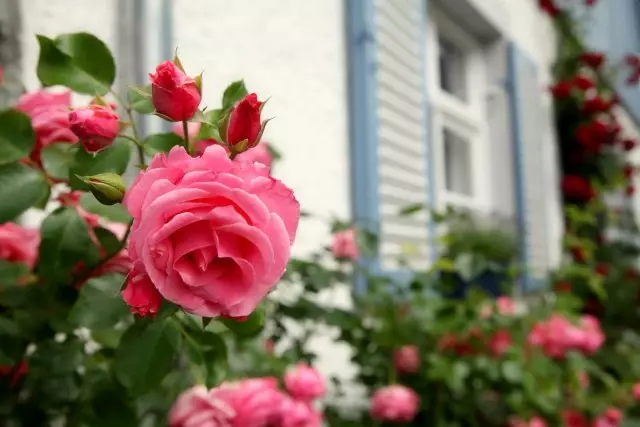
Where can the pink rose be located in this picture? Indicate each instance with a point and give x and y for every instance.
(344, 245)
(260, 153)
(505, 305)
(395, 403)
(18, 244)
(500, 342)
(96, 126)
(304, 382)
(244, 122)
(49, 114)
(213, 235)
(594, 337)
(255, 402)
(197, 407)
(406, 359)
(295, 413)
(140, 293)
(533, 422)
(635, 390)
(174, 94)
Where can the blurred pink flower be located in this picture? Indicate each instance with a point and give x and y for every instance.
(395, 403)
(406, 359)
(635, 390)
(344, 245)
(197, 407)
(304, 382)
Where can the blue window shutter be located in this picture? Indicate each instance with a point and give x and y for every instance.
(527, 120)
(390, 155)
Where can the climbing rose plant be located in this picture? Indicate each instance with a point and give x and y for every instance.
(123, 298)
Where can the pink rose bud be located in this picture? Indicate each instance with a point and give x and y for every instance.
(635, 390)
(406, 359)
(395, 403)
(344, 245)
(96, 126)
(198, 407)
(304, 382)
(296, 413)
(244, 121)
(212, 235)
(174, 94)
(505, 305)
(140, 293)
(18, 244)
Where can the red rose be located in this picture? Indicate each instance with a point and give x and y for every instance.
(96, 126)
(602, 269)
(563, 287)
(595, 105)
(578, 254)
(549, 7)
(630, 190)
(583, 82)
(244, 121)
(629, 144)
(500, 342)
(593, 59)
(572, 418)
(561, 89)
(592, 135)
(174, 94)
(628, 171)
(633, 62)
(577, 188)
(16, 372)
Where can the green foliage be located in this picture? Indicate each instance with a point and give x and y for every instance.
(23, 186)
(16, 136)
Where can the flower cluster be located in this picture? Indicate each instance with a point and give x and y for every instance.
(557, 335)
(253, 402)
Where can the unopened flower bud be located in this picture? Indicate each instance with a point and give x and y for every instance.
(108, 188)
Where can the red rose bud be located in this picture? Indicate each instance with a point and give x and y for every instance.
(633, 62)
(630, 190)
(583, 82)
(549, 7)
(578, 254)
(95, 126)
(577, 188)
(243, 122)
(602, 269)
(175, 95)
(563, 287)
(561, 89)
(596, 105)
(629, 144)
(593, 59)
(108, 188)
(628, 171)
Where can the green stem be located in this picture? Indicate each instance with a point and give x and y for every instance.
(185, 129)
(134, 126)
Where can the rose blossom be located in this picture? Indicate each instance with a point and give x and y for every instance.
(49, 113)
(295, 413)
(174, 94)
(344, 245)
(505, 305)
(212, 235)
(573, 418)
(406, 359)
(96, 126)
(18, 244)
(500, 342)
(16, 372)
(255, 402)
(593, 59)
(533, 422)
(395, 403)
(260, 153)
(304, 382)
(197, 407)
(594, 337)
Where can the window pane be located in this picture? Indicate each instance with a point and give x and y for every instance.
(452, 69)
(457, 163)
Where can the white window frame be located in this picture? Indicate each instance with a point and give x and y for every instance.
(466, 118)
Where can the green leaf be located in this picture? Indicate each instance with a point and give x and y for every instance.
(79, 61)
(114, 213)
(411, 209)
(512, 371)
(161, 142)
(12, 291)
(114, 159)
(248, 328)
(233, 94)
(21, 187)
(65, 242)
(99, 305)
(140, 99)
(146, 354)
(57, 159)
(16, 136)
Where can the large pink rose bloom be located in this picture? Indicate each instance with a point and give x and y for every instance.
(255, 402)
(295, 413)
(395, 403)
(304, 382)
(49, 114)
(198, 407)
(19, 244)
(212, 235)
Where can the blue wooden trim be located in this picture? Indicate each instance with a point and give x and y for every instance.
(362, 50)
(431, 195)
(518, 157)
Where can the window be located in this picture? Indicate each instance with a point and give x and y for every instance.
(456, 76)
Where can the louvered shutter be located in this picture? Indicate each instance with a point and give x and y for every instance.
(532, 183)
(390, 156)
